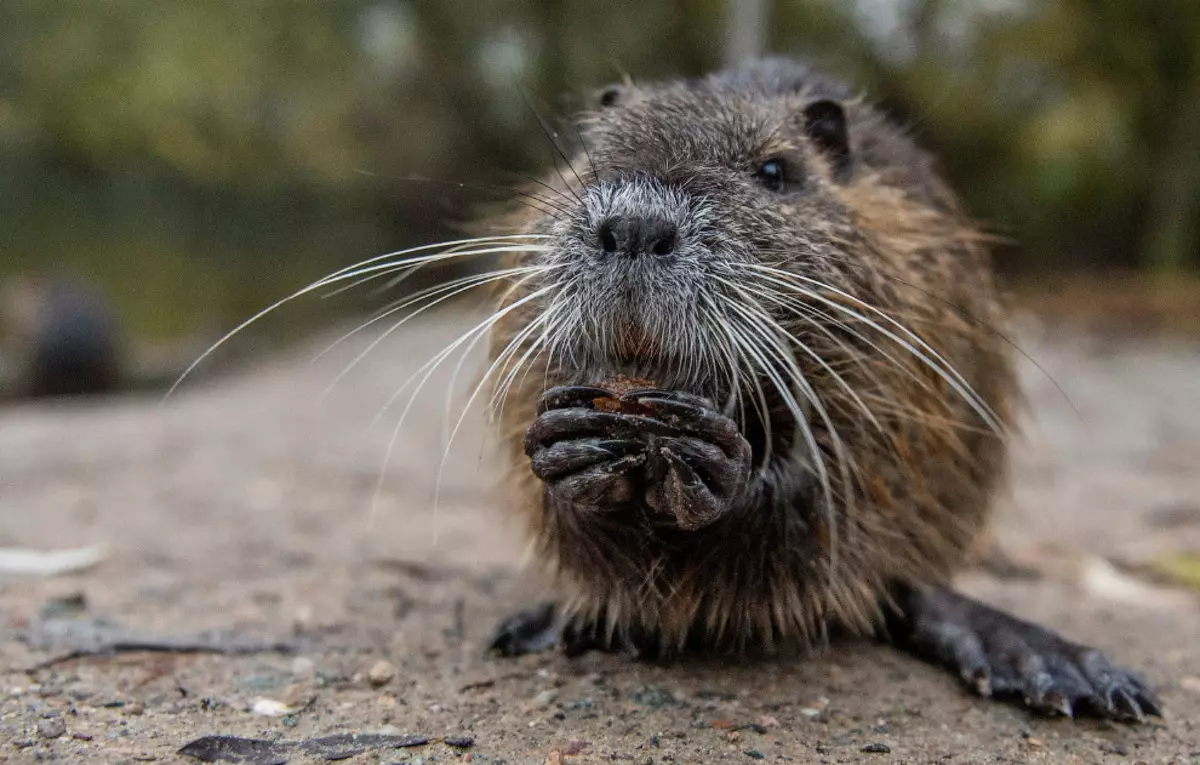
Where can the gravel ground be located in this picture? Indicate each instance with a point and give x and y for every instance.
(253, 506)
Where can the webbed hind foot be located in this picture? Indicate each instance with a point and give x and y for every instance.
(1000, 655)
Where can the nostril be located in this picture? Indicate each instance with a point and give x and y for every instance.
(660, 236)
(608, 241)
(665, 244)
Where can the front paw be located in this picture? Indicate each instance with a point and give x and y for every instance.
(674, 450)
(698, 475)
(584, 456)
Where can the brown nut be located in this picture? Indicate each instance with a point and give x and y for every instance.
(619, 386)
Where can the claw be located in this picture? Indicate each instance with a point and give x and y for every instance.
(567, 396)
(1125, 706)
(1058, 702)
(527, 631)
(980, 681)
(1149, 701)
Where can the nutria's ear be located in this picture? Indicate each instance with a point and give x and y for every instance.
(610, 96)
(825, 124)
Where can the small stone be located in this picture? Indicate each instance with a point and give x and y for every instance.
(134, 708)
(877, 749)
(575, 748)
(754, 754)
(386, 730)
(459, 742)
(1190, 683)
(381, 673)
(52, 728)
(270, 708)
(815, 708)
(1036, 743)
(303, 668)
(545, 698)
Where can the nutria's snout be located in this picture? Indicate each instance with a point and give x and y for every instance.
(631, 266)
(636, 235)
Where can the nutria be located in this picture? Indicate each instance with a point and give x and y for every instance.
(832, 391)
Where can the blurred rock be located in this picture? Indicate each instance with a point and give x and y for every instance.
(63, 338)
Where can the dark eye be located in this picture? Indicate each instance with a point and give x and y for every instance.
(771, 174)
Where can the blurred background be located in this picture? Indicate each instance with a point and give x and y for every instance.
(170, 168)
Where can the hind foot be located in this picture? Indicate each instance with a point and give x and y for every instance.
(1000, 655)
(542, 627)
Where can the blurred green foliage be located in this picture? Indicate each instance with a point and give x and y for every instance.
(201, 158)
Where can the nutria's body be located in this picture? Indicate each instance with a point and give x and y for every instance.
(760, 241)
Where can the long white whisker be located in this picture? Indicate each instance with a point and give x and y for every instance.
(428, 368)
(811, 354)
(532, 270)
(318, 284)
(927, 356)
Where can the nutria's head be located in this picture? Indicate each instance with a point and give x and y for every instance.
(693, 189)
(761, 239)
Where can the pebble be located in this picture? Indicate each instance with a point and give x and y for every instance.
(270, 708)
(545, 698)
(816, 708)
(381, 673)
(52, 728)
(459, 742)
(304, 668)
(877, 749)
(134, 708)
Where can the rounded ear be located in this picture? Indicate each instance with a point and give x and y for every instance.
(825, 124)
(610, 96)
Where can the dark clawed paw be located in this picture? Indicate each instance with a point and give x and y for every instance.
(582, 455)
(1002, 656)
(698, 475)
(543, 627)
(530, 630)
(571, 397)
(693, 480)
(692, 460)
(1063, 680)
(693, 416)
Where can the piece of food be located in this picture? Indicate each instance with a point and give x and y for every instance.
(619, 386)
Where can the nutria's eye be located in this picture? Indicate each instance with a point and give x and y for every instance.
(772, 175)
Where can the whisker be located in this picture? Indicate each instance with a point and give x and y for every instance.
(810, 353)
(969, 317)
(942, 367)
(552, 137)
(427, 370)
(322, 282)
(486, 187)
(409, 266)
(454, 288)
(801, 420)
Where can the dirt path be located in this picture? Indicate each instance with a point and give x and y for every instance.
(245, 506)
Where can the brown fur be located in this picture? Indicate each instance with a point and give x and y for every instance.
(922, 483)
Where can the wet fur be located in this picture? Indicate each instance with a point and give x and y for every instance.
(886, 231)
